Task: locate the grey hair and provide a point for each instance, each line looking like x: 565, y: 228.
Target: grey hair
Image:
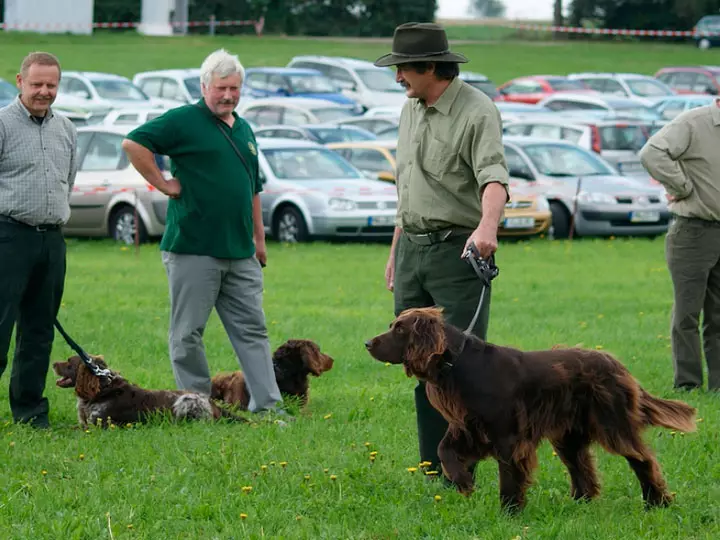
x: 220, y: 63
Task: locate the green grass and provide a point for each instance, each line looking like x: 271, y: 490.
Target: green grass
x: 184, y: 481
x: 129, y: 53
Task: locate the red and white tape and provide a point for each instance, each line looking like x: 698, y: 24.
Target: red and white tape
x: 258, y: 24
x: 610, y: 31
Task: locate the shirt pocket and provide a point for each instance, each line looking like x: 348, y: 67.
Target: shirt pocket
x: 436, y: 158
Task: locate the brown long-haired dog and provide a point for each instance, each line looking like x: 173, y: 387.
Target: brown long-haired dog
x: 117, y: 401
x: 501, y: 402
x: 294, y: 361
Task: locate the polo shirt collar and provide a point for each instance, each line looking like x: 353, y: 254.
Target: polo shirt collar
x: 22, y: 109
x: 446, y: 100
x: 715, y: 112
x: 201, y: 103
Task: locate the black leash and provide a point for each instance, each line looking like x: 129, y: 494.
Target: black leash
x: 486, y: 271
x: 85, y: 357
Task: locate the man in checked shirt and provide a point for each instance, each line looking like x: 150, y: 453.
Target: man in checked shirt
x: 37, y: 172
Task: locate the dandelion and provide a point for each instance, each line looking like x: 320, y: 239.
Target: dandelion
x: 43, y: 472
x: 307, y: 477
x: 246, y: 489
x: 373, y: 453
x: 327, y: 416
x: 326, y: 471
x: 112, y: 426
x: 130, y: 526
x: 699, y: 419
x: 600, y: 316
x: 437, y: 498
x: 152, y: 478
x: 87, y: 431
x: 425, y: 464
x: 283, y: 464
x: 431, y: 473
x: 372, y: 458
x: 411, y: 469
x: 372, y: 398
x: 243, y: 516
x: 81, y: 457
x: 368, y: 443
x: 554, y: 453
x: 333, y: 477
x: 12, y: 443
x: 298, y: 518
x: 128, y: 425
x: 599, y: 347
x: 388, y: 364
x: 642, y: 313
x: 124, y: 248
x: 272, y: 463
x: 673, y: 433
x: 263, y: 468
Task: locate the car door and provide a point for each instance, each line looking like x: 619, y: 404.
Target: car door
x: 100, y: 174
x: 152, y: 86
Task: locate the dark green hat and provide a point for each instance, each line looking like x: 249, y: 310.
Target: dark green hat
x: 419, y: 42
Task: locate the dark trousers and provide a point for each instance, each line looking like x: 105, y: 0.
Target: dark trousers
x: 435, y: 275
x: 32, y: 278
x: 693, y: 257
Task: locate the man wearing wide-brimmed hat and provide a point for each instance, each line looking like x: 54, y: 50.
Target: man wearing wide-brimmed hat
x: 452, y: 188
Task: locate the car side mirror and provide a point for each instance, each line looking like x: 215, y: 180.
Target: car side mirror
x: 386, y: 176
x: 712, y: 90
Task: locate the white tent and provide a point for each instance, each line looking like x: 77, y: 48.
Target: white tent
x: 49, y: 16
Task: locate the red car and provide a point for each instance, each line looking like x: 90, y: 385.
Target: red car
x: 691, y: 79
x: 533, y: 89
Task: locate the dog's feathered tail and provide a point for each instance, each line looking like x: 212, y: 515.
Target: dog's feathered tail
x: 668, y: 413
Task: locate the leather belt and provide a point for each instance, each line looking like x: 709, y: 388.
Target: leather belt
x: 40, y: 228
x: 436, y: 237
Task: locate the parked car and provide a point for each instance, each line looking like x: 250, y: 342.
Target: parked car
x: 319, y: 133
x: 296, y: 82
x: 375, y: 159
x: 526, y: 214
x: 510, y: 111
x: 293, y: 111
x: 481, y: 82
x: 374, y: 124
x: 599, y: 106
x: 691, y: 79
x: 669, y: 108
x: 643, y: 88
x: 618, y: 142
x: 8, y: 92
x: 108, y: 191
x: 181, y: 85
x: 131, y: 117
x: 362, y: 81
x: 101, y: 92
x: 578, y: 181
x: 385, y: 110
x: 311, y: 191
x: 707, y: 32
x: 537, y: 87
x: 389, y: 133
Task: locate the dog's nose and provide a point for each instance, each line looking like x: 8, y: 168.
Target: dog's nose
x: 368, y: 344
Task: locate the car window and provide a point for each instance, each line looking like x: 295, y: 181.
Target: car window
x: 523, y: 87
x: 596, y: 84
x: 560, y: 160
x: 257, y: 81
x: 78, y: 88
x: 367, y: 159
x: 647, y: 88
x: 488, y: 88
x: 569, y: 105
x: 387, y: 133
x: 331, y: 114
x: 328, y: 135
x: 118, y: 89
x: 295, y: 117
x: 671, y: 108
x: 621, y: 137
x: 264, y: 115
x: 683, y: 80
x: 614, y: 87
x: 517, y: 167
x: 309, y: 164
x: 276, y: 83
x: 307, y: 84
x: 566, y: 84
x: 192, y: 85
x: 83, y: 139
x: 571, y: 134
x: 104, y: 153
x: 126, y: 119
x: 379, y: 80
x: 702, y: 83
x: 289, y: 134
x: 546, y: 130
x: 516, y: 129
x: 151, y: 86
x: 171, y: 90
x: 152, y: 116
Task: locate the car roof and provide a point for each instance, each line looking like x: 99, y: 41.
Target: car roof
x: 578, y: 121
x: 382, y: 143
x: 519, y: 140
x: 690, y: 68
x: 473, y: 76
x: 283, y: 70
x: 266, y: 143
x: 97, y: 76
x: 611, y: 74
x: 352, y: 63
x: 183, y: 72
x: 120, y: 129
x: 305, y: 103
x: 138, y: 110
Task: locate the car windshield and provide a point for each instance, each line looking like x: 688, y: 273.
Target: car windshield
x: 311, y: 84
x: 331, y: 114
x: 566, y: 84
x: 337, y: 134
x: 560, y: 160
x: 629, y: 108
x: 487, y: 87
x: 309, y: 164
x: 114, y: 89
x: 648, y: 88
x: 7, y: 90
x: 622, y: 137
x: 380, y: 80
x: 193, y: 87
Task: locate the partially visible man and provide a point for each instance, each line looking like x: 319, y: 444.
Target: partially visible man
x: 684, y: 156
x: 452, y: 187
x: 37, y: 173
x: 214, y: 241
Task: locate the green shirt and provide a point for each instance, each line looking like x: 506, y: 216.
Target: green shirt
x: 683, y: 156
x: 213, y: 215
x: 447, y: 153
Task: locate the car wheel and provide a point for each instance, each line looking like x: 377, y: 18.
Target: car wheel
x: 560, y: 220
x: 122, y: 226
x: 290, y: 226
x: 704, y: 44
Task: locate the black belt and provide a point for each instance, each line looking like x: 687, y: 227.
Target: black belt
x: 436, y: 237
x: 40, y: 228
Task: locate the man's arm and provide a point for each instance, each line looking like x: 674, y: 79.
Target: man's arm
x: 259, y: 230
x: 660, y: 157
x: 73, y: 162
x: 390, y: 266
x: 144, y: 162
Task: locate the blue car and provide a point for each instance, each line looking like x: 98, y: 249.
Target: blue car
x: 7, y: 93
x: 295, y: 82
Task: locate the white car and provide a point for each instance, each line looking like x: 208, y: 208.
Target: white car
x: 293, y: 111
x: 176, y: 84
x: 600, y: 105
x: 109, y: 193
x: 393, y: 111
x: 101, y: 92
x: 360, y: 80
x: 131, y: 117
x: 643, y: 88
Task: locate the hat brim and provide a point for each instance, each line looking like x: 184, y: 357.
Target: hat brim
x: 392, y: 59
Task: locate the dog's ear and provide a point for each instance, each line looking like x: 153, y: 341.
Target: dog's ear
x: 315, y: 361
x: 87, y: 385
x: 426, y: 341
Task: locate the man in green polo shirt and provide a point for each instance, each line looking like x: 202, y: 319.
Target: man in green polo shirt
x: 214, y: 241
x: 452, y: 188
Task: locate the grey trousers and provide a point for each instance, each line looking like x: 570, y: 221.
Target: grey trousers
x: 234, y: 287
x: 693, y: 257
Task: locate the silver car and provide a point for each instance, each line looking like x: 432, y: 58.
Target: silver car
x: 578, y: 182
x: 310, y: 191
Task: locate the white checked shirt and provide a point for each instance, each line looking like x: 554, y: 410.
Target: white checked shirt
x: 37, y: 166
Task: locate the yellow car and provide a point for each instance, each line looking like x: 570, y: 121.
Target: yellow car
x: 375, y: 159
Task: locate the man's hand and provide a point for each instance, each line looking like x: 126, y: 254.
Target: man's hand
x: 261, y: 252
x: 390, y: 273
x: 484, y: 238
x: 172, y: 188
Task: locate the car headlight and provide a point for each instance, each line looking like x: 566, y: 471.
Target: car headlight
x: 341, y: 204
x: 596, y: 197
x: 541, y: 203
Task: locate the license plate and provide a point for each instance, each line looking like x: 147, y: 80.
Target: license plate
x: 644, y: 216
x: 519, y: 223
x: 381, y: 220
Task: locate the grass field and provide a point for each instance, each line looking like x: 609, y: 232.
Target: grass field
x: 185, y: 481
x: 129, y: 53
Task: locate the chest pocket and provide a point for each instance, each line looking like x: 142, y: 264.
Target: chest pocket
x: 436, y: 157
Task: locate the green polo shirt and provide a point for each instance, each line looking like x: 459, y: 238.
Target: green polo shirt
x: 446, y: 154
x: 213, y: 215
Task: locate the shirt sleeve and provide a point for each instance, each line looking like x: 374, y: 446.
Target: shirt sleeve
x: 73, y: 161
x: 485, y: 152
x: 255, y: 165
x: 660, y: 157
x: 160, y: 135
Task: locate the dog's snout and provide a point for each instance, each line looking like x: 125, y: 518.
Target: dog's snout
x: 368, y: 344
